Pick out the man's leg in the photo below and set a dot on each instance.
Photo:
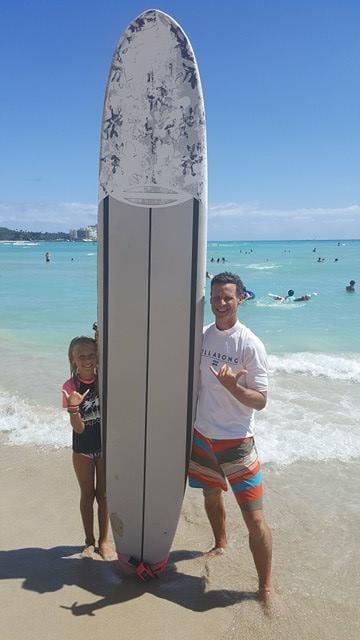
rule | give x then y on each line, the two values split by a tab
260	541
205	473
215	510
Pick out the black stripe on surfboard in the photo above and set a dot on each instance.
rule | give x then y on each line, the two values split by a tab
192	327
146	388
105	322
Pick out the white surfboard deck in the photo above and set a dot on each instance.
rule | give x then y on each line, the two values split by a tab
151	279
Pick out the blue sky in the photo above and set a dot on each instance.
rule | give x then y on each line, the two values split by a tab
281	81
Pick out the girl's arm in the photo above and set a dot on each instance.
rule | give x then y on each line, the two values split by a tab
76	421
74	401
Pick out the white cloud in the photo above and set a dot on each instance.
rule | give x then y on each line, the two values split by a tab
45	216
227	221
251	221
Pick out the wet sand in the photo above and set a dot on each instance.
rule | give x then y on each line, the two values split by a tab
49	592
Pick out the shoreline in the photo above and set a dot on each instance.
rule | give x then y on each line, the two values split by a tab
48	591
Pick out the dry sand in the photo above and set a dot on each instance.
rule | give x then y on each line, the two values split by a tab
49	592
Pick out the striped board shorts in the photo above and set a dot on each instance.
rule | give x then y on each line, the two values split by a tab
213	462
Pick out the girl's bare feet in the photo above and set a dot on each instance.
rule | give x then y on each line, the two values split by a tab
106	552
88	551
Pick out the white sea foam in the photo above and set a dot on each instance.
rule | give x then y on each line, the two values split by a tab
312	410
333	367
24	243
26	424
263	266
299	426
276	304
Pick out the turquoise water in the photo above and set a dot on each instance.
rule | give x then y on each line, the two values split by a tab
328	322
314	346
47	303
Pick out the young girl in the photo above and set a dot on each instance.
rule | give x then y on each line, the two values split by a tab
80	398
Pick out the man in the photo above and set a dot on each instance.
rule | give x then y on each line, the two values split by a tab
289	296
233	383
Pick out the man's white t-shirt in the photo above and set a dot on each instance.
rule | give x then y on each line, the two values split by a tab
219	415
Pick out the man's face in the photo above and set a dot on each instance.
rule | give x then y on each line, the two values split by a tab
224	303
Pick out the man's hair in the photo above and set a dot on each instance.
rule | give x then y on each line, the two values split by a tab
228	278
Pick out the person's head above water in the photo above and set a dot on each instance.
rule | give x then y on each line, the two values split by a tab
290	293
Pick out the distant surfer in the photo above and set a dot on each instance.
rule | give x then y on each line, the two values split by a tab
80	398
351	286
47	257
289	296
233	384
303	298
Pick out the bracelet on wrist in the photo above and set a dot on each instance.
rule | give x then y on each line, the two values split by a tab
74	409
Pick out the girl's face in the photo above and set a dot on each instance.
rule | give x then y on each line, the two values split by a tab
84	357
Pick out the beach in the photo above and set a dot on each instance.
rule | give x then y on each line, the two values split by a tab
49	592
308	439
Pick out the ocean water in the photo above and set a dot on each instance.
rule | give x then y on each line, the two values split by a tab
313	346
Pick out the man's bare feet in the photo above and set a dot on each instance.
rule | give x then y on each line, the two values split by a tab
88	551
264	595
215	551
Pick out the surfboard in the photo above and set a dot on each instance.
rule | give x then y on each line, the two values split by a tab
151	280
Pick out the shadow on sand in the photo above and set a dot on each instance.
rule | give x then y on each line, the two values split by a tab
49	570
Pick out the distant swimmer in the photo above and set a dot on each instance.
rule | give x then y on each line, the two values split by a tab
289	296
47	257
351	286
306	296
96	330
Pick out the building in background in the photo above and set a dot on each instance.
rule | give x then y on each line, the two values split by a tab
84	234
91	233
